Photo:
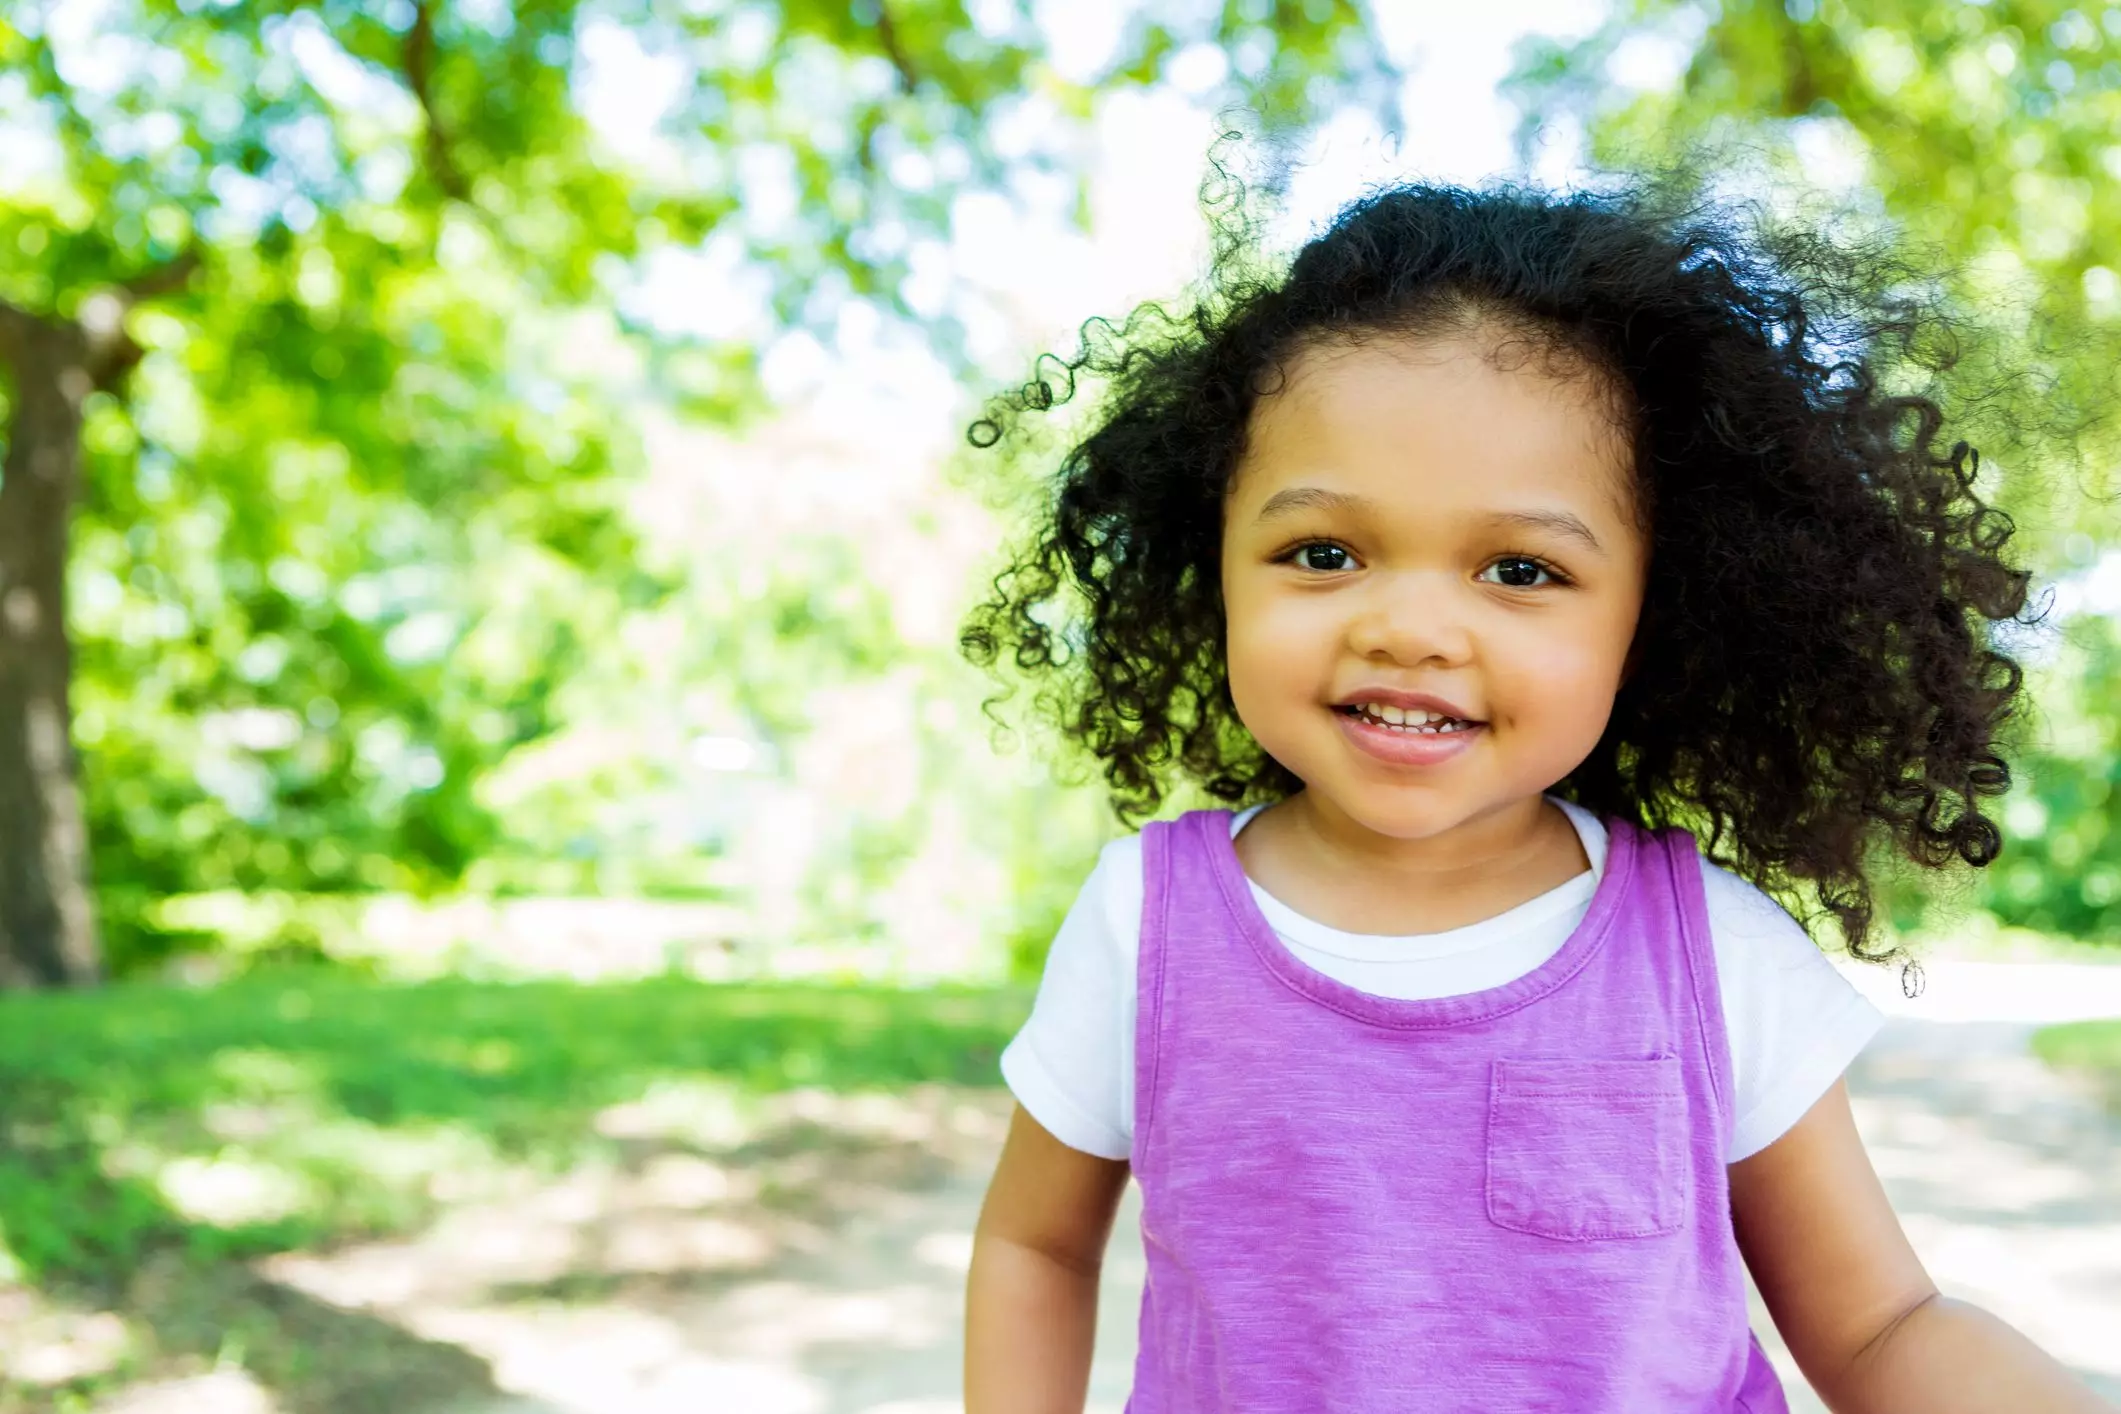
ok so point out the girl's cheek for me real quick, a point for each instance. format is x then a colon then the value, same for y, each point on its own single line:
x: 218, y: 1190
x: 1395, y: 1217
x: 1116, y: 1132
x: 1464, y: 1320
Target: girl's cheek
x: 1274, y: 650
x: 1286, y: 630
x: 1566, y: 687
x: 1253, y: 713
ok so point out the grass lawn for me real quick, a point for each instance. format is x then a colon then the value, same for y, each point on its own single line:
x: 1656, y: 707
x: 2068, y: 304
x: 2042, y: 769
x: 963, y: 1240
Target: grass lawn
x: 2093, y: 1046
x: 154, y: 1136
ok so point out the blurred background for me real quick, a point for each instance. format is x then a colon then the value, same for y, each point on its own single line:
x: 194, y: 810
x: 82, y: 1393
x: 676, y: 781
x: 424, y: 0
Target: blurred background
x: 533, y: 901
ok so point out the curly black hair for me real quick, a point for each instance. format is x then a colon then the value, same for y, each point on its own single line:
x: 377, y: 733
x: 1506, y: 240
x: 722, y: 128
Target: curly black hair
x: 1816, y: 678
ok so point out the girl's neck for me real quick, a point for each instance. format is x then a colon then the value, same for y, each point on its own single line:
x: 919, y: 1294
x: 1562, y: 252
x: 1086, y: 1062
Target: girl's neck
x: 1330, y: 867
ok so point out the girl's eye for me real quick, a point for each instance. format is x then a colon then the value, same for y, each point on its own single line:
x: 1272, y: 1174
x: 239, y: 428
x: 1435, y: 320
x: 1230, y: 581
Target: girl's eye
x: 1320, y: 555
x: 1519, y: 572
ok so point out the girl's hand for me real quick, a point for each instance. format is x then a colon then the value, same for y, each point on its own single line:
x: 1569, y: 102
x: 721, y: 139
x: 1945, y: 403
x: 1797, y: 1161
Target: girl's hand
x: 1031, y: 1297
x: 1852, y: 1300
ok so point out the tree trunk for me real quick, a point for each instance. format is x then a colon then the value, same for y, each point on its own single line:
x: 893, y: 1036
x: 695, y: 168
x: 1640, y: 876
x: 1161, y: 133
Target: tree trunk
x: 47, y: 923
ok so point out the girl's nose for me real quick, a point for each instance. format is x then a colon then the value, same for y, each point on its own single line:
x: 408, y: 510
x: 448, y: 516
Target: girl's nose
x: 1408, y: 624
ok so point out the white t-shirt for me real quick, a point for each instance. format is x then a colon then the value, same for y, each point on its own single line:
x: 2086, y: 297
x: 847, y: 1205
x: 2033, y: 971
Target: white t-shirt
x: 1794, y: 1022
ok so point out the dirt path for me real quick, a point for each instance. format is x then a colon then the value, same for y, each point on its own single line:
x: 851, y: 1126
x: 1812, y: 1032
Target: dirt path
x: 817, y: 1269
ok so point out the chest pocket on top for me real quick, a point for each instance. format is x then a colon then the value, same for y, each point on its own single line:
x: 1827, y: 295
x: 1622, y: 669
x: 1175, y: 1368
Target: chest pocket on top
x: 1583, y: 1150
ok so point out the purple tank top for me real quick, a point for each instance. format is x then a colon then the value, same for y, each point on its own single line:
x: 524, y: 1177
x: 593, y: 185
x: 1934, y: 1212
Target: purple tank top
x: 1508, y: 1200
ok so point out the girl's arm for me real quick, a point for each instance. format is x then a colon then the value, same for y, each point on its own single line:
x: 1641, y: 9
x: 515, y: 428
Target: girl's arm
x: 1852, y: 1300
x: 1031, y: 1298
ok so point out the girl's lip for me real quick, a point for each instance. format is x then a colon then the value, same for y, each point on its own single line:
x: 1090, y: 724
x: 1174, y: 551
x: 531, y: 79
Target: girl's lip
x: 1405, y: 748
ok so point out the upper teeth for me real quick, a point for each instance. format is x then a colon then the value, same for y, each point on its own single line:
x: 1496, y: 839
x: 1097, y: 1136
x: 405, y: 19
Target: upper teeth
x: 1397, y: 717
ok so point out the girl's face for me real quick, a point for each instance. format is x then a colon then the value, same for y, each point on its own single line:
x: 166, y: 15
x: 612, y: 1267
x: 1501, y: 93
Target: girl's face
x: 1431, y: 572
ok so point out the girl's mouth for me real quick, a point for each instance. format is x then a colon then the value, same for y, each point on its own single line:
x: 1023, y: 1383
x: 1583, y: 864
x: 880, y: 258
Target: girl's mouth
x: 1413, y: 721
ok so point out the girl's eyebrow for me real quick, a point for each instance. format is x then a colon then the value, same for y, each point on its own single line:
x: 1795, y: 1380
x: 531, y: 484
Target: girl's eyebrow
x: 1299, y: 498
x: 1556, y: 522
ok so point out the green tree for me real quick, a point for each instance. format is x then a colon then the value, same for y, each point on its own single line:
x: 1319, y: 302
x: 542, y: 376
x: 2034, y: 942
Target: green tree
x: 1986, y: 135
x: 305, y: 321
x: 2061, y: 867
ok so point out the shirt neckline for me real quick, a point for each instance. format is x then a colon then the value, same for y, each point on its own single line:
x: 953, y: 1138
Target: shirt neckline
x: 1420, y: 1013
x: 1293, y: 926
x: 1512, y: 923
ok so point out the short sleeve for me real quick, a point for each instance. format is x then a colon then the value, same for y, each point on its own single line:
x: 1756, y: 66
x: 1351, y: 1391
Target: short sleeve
x: 1794, y: 1022
x: 1070, y: 1066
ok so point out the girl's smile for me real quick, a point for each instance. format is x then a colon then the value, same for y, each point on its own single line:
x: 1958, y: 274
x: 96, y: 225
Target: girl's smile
x: 1407, y: 729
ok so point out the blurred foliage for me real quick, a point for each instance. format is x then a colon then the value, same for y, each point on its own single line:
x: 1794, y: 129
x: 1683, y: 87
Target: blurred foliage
x: 359, y: 522
x: 2061, y: 866
x: 1986, y: 135
x: 332, y: 1105
x: 1985, y: 139
x: 2090, y: 1046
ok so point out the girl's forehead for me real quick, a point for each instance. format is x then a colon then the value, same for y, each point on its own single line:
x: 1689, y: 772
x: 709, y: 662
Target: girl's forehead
x: 1465, y: 418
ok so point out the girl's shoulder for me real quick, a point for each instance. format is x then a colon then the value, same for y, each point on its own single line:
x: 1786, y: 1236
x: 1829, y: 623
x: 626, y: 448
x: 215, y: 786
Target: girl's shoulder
x: 1115, y: 889
x: 1739, y: 903
x: 1110, y: 903
x: 1738, y: 908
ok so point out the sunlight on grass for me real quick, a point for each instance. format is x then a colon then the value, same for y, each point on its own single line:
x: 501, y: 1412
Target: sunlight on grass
x: 250, y: 1072
x: 290, y: 1108
x: 332, y: 1172
x: 46, y: 1342
x: 230, y: 1191
x: 713, y: 1114
x: 268, y: 1146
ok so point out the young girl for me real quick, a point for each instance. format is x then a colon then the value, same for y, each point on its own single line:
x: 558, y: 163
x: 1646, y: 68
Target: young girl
x: 1502, y: 537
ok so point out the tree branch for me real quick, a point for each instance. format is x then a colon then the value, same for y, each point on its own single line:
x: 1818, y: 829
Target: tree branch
x: 109, y: 351
x: 419, y: 76
x: 165, y: 279
x: 865, y: 150
x: 97, y: 332
x: 18, y: 329
x: 1801, y: 84
x: 887, y: 35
